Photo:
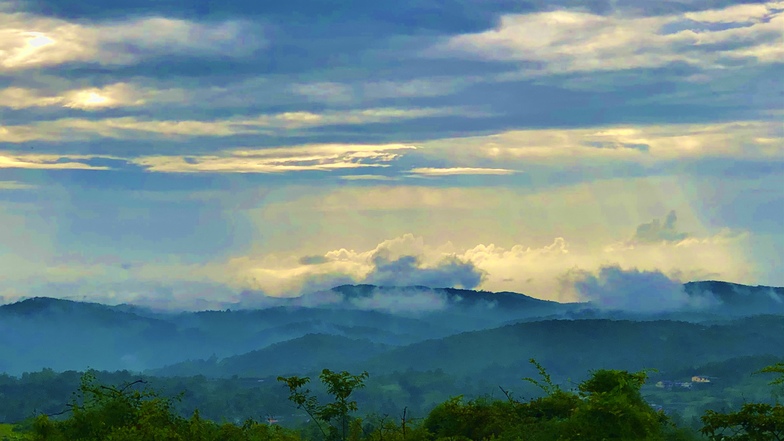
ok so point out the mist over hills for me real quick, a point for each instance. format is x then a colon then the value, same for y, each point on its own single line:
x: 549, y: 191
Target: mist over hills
x: 389, y: 328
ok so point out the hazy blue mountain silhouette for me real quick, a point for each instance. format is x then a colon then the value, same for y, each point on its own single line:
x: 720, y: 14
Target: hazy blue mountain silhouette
x: 65, y: 334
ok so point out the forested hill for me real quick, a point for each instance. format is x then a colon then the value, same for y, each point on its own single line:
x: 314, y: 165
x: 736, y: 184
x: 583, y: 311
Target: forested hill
x: 571, y: 346
x: 742, y: 299
x: 568, y: 347
x: 63, y: 334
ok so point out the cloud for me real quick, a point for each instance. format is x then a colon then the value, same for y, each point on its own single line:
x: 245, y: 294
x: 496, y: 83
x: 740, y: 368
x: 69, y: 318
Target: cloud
x: 19, y: 98
x: 617, y: 145
x: 378, y: 268
x: 401, y: 300
x: 389, y: 198
x: 16, y: 185
x: 630, y: 144
x: 280, y: 124
x: 339, y: 93
x: 420, y: 87
x: 48, y: 161
x: 157, y: 295
x: 328, y: 92
x: 367, y: 178
x: 633, y: 290
x: 29, y: 41
x: 431, y: 171
x: 564, y: 41
x: 277, y: 160
x: 534, y: 270
x: 521, y: 239
x: 402, y: 261
x: 92, y: 98
x: 408, y: 271
x: 407, y: 260
x: 318, y: 293
x: 312, y: 260
x: 655, y: 231
x: 746, y: 13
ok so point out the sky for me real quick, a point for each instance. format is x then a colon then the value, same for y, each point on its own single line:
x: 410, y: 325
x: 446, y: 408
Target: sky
x: 192, y: 153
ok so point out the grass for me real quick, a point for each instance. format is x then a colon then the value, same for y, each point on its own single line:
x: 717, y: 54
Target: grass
x: 7, y: 433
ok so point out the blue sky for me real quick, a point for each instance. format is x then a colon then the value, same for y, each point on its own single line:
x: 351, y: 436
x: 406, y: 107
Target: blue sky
x: 190, y: 153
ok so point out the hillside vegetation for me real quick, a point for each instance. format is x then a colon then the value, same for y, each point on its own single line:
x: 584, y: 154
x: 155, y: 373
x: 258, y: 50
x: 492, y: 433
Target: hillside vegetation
x: 608, y: 405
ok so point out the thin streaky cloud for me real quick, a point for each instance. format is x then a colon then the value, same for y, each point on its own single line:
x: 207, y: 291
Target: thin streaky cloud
x: 16, y: 185
x: 279, y: 124
x: 569, y: 41
x: 643, y: 144
x: 92, y: 98
x: 33, y: 161
x: 433, y: 171
x: 28, y: 41
x: 279, y: 160
x: 368, y: 178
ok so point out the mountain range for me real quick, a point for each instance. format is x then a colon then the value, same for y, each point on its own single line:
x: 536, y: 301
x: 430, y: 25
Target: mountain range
x: 383, y: 329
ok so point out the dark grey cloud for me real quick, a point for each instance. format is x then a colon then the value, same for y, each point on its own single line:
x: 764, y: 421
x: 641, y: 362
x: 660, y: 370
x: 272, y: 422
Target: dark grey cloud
x: 633, y: 290
x: 658, y: 231
x: 312, y: 260
x: 618, y: 145
x: 407, y: 271
x: 404, y: 271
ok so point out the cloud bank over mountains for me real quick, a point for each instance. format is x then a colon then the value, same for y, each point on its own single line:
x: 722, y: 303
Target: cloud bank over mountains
x: 638, y: 291
x: 556, y: 271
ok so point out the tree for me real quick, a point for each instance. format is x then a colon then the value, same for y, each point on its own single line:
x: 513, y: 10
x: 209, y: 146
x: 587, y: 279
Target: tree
x: 611, y: 407
x: 127, y: 413
x: 336, y: 415
x: 101, y: 412
x: 753, y: 422
x: 607, y: 406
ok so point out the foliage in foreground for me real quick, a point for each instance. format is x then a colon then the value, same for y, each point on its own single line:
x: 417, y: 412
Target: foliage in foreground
x: 753, y: 422
x: 10, y: 433
x: 106, y: 413
x: 607, y: 406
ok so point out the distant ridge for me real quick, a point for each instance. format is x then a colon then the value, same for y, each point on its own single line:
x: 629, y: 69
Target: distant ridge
x: 746, y: 297
x: 462, y: 297
x: 40, y: 305
x: 302, y: 355
x: 69, y: 334
x: 741, y: 299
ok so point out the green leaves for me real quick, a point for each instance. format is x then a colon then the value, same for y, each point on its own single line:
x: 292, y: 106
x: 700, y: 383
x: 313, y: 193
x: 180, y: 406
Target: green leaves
x: 128, y: 413
x: 777, y: 368
x: 547, y: 383
x: 607, y: 406
x: 753, y: 422
x: 340, y: 385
